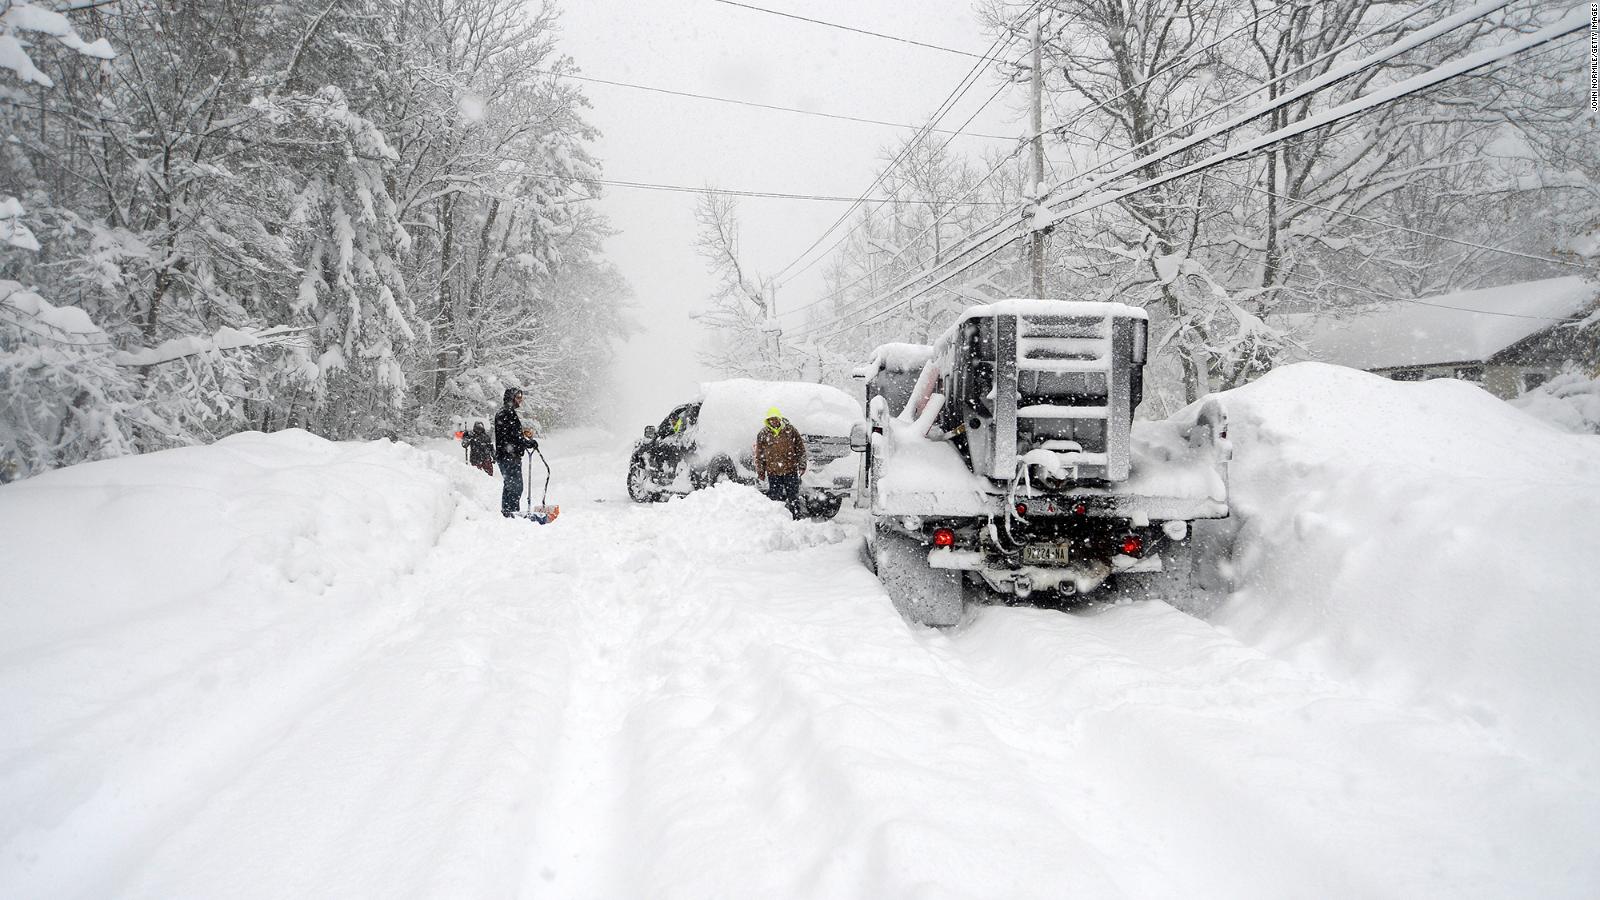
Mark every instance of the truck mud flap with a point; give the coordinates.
(924, 595)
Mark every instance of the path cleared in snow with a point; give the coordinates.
(279, 667)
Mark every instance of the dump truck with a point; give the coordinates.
(1003, 461)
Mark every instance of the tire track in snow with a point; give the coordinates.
(764, 742)
(425, 749)
(1245, 759)
(150, 788)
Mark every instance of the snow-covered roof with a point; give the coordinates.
(1468, 326)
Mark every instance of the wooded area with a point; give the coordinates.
(357, 217)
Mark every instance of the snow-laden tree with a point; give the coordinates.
(740, 314)
(359, 216)
(1388, 203)
(1403, 200)
(63, 398)
(491, 185)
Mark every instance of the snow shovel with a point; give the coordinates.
(544, 513)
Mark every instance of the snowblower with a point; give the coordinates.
(543, 513)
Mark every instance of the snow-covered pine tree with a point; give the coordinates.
(356, 217)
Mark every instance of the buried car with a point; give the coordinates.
(712, 439)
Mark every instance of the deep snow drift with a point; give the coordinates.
(282, 667)
(1428, 539)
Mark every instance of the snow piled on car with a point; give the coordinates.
(1425, 539)
(734, 410)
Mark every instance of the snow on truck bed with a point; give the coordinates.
(931, 477)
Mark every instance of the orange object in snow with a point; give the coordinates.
(544, 515)
(544, 512)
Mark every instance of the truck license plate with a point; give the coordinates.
(1044, 554)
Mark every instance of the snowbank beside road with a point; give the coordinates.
(1427, 539)
(162, 616)
(102, 542)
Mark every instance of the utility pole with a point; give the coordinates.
(771, 323)
(1036, 237)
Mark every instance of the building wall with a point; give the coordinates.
(1505, 382)
(1519, 368)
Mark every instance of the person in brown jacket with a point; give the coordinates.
(780, 460)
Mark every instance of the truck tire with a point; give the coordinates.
(926, 596)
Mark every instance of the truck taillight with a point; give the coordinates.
(1080, 510)
(944, 537)
(1022, 509)
(1133, 545)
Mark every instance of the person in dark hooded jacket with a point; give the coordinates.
(511, 440)
(480, 448)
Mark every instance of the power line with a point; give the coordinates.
(1282, 196)
(1422, 36)
(1388, 94)
(996, 47)
(687, 189)
(838, 326)
(949, 102)
(909, 242)
(876, 34)
(1056, 128)
(1328, 79)
(842, 326)
(752, 103)
(613, 182)
(1316, 84)
(1435, 76)
(1282, 4)
(938, 220)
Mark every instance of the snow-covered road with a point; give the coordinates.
(408, 696)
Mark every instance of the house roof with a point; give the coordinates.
(1467, 326)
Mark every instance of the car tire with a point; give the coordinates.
(720, 470)
(825, 507)
(640, 489)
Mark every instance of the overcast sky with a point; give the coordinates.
(706, 47)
